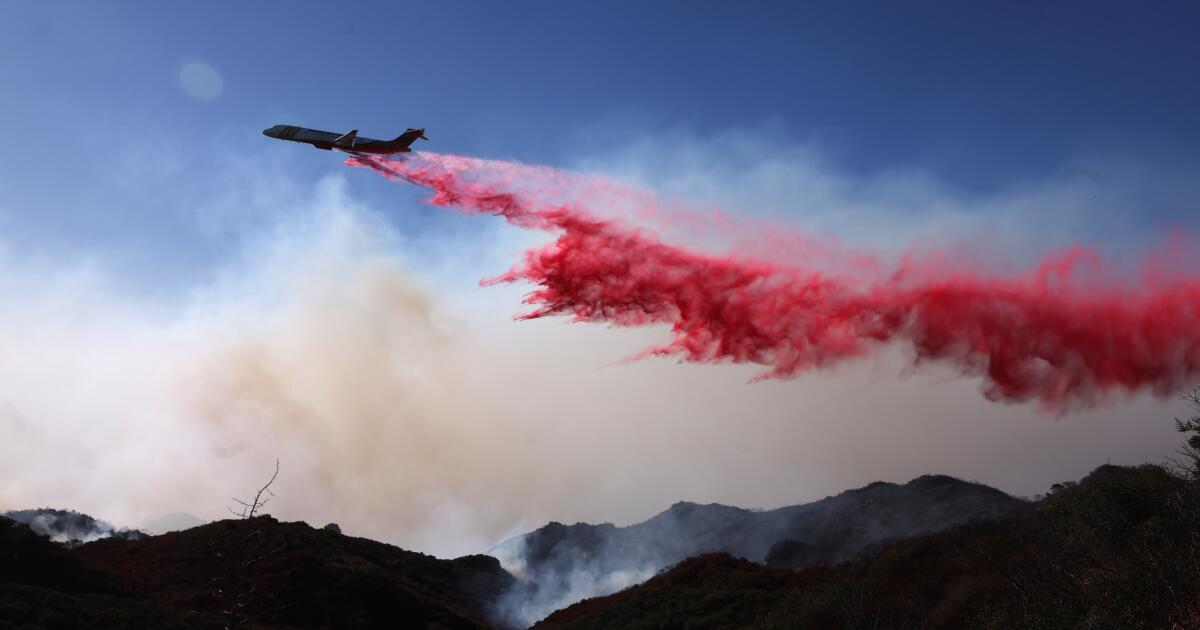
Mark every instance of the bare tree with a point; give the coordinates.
(235, 588)
(250, 509)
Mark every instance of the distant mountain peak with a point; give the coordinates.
(174, 522)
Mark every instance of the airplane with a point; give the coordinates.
(348, 142)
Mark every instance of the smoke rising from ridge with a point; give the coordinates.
(1065, 334)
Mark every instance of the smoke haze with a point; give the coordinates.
(406, 405)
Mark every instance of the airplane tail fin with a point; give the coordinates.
(409, 136)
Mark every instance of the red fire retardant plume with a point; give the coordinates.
(1041, 335)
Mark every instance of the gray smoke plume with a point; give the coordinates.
(68, 526)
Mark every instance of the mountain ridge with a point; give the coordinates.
(1116, 550)
(258, 571)
(558, 564)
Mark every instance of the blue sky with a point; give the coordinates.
(108, 154)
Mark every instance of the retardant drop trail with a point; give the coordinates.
(1044, 335)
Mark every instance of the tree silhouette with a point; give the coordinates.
(249, 509)
(1188, 462)
(250, 549)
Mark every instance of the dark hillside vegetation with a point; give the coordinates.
(1117, 550)
(27, 557)
(560, 564)
(296, 575)
(292, 576)
(42, 585)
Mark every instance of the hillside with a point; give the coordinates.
(1119, 550)
(42, 584)
(559, 564)
(68, 526)
(30, 558)
(293, 576)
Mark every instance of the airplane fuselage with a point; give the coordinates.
(349, 143)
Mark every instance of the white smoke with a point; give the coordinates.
(406, 405)
(536, 595)
(67, 526)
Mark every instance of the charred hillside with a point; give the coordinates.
(258, 571)
(1121, 549)
(43, 585)
(30, 558)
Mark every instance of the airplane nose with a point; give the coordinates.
(267, 132)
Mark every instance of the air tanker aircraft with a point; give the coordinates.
(348, 142)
